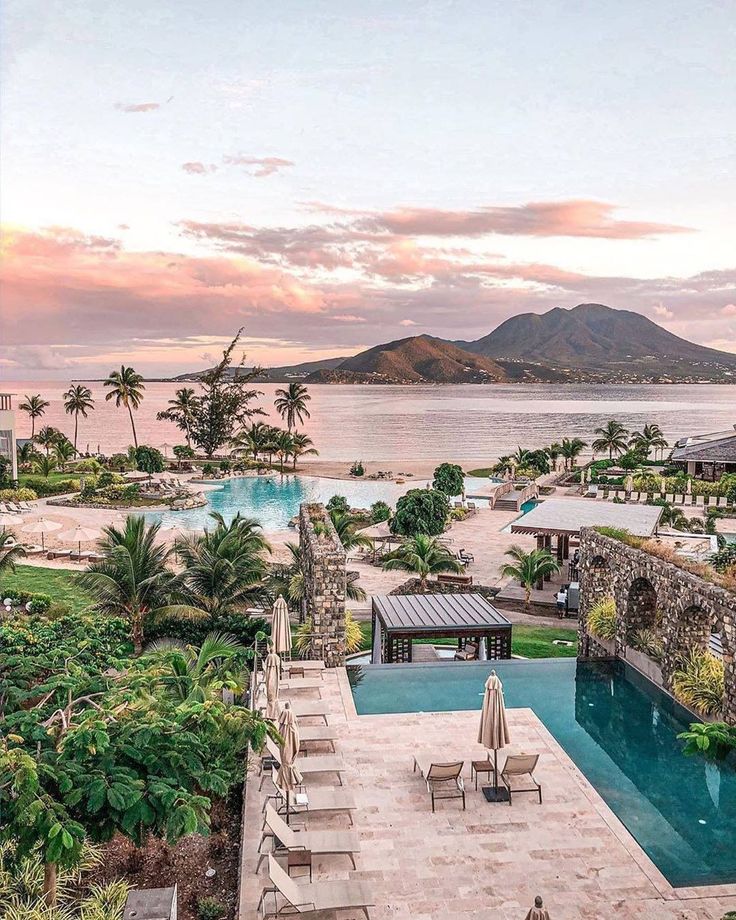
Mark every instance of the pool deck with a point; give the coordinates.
(488, 862)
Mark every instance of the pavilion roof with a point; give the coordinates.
(432, 613)
(568, 517)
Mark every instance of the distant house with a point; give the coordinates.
(7, 434)
(707, 456)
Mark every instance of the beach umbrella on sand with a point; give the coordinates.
(288, 776)
(272, 668)
(81, 534)
(280, 627)
(493, 732)
(43, 526)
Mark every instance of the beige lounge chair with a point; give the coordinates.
(469, 653)
(699, 501)
(308, 766)
(311, 897)
(443, 779)
(311, 801)
(284, 838)
(58, 554)
(317, 734)
(310, 709)
(301, 685)
(600, 495)
(669, 498)
(518, 765)
(298, 668)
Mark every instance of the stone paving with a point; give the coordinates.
(488, 862)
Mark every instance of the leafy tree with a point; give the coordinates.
(553, 451)
(291, 404)
(149, 459)
(423, 556)
(133, 579)
(347, 533)
(255, 440)
(421, 511)
(180, 411)
(301, 445)
(45, 465)
(34, 406)
(224, 568)
(648, 439)
(380, 512)
(199, 673)
(78, 401)
(612, 437)
(725, 559)
(528, 568)
(183, 452)
(26, 454)
(449, 478)
(338, 503)
(48, 437)
(126, 388)
(64, 451)
(284, 445)
(223, 406)
(10, 551)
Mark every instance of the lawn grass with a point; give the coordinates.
(56, 476)
(527, 641)
(60, 584)
(483, 472)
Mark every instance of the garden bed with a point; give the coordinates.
(158, 865)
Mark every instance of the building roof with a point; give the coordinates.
(720, 446)
(567, 517)
(417, 613)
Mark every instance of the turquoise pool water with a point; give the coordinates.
(620, 731)
(274, 500)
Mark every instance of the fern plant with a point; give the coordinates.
(601, 621)
(698, 681)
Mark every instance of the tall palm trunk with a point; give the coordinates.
(136, 631)
(76, 426)
(132, 423)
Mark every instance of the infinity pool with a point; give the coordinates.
(274, 500)
(620, 731)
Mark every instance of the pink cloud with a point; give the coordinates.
(729, 309)
(138, 107)
(349, 318)
(663, 312)
(264, 166)
(198, 169)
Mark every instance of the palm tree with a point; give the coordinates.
(673, 517)
(302, 445)
(78, 401)
(553, 452)
(349, 537)
(64, 451)
(191, 674)
(650, 437)
(48, 436)
(611, 437)
(424, 556)
(45, 465)
(127, 390)
(10, 551)
(35, 406)
(571, 448)
(291, 404)
(283, 445)
(224, 568)
(26, 454)
(181, 411)
(133, 580)
(287, 580)
(529, 568)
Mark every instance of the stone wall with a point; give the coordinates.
(651, 592)
(323, 564)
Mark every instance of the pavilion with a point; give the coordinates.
(399, 619)
(563, 520)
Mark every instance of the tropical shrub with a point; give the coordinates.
(239, 625)
(109, 478)
(46, 487)
(18, 495)
(647, 641)
(209, 908)
(698, 681)
(528, 568)
(714, 740)
(208, 469)
(148, 459)
(725, 558)
(225, 466)
(353, 635)
(119, 462)
(526, 472)
(380, 511)
(601, 621)
(338, 503)
(449, 478)
(421, 511)
(357, 469)
(88, 465)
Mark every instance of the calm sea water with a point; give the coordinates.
(423, 422)
(620, 731)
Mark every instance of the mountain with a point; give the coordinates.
(613, 344)
(425, 359)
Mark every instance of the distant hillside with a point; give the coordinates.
(611, 343)
(284, 374)
(425, 359)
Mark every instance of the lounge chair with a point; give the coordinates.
(310, 709)
(600, 495)
(317, 734)
(311, 801)
(15, 507)
(520, 765)
(308, 766)
(443, 779)
(721, 501)
(298, 684)
(464, 557)
(6, 509)
(469, 653)
(26, 506)
(635, 497)
(303, 667)
(311, 897)
(286, 839)
(34, 550)
(669, 498)
(471, 506)
(58, 554)
(592, 491)
(700, 501)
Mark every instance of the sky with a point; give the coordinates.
(332, 175)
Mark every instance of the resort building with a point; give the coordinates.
(707, 456)
(7, 433)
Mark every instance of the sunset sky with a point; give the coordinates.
(331, 175)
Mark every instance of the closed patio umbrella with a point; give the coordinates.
(280, 627)
(42, 526)
(493, 732)
(288, 776)
(272, 668)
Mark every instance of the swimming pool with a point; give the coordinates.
(275, 499)
(619, 729)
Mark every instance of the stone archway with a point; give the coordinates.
(640, 608)
(688, 626)
(596, 584)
